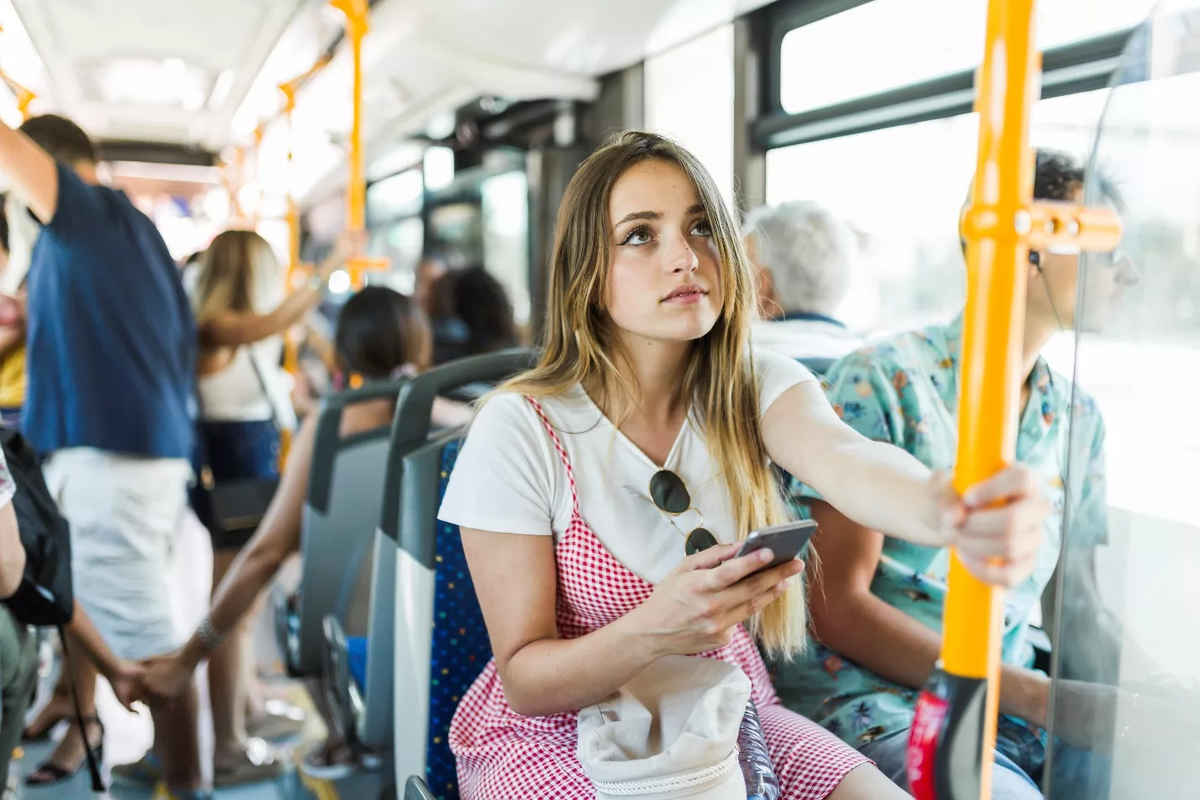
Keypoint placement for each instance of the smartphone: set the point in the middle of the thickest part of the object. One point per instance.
(786, 541)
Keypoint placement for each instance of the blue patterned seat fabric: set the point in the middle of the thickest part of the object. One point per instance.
(460, 644)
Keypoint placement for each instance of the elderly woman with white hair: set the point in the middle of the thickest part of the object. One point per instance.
(805, 256)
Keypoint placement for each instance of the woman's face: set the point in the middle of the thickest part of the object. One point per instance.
(664, 281)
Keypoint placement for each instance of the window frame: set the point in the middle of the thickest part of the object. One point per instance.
(1067, 69)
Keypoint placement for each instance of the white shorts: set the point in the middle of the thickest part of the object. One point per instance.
(124, 512)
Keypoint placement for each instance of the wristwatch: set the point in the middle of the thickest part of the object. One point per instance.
(317, 283)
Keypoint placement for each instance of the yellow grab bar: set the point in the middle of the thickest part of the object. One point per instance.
(954, 733)
(357, 25)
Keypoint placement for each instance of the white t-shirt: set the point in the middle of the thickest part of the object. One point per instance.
(236, 393)
(510, 479)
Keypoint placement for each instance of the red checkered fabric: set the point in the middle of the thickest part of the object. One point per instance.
(503, 755)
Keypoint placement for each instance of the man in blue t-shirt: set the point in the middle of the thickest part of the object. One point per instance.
(111, 364)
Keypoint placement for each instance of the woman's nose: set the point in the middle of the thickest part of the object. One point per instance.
(682, 257)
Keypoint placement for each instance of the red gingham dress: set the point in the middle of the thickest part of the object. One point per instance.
(502, 755)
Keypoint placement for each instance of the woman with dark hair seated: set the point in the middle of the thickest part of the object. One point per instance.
(471, 315)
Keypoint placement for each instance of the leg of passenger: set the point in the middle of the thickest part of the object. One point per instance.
(1009, 782)
(254, 698)
(865, 782)
(176, 740)
(225, 676)
(812, 762)
(55, 711)
(18, 675)
(70, 756)
(889, 754)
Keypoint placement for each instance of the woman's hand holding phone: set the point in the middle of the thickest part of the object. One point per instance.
(699, 605)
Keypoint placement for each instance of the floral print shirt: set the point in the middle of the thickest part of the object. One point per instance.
(904, 390)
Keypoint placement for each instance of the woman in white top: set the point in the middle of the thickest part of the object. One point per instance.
(649, 417)
(241, 313)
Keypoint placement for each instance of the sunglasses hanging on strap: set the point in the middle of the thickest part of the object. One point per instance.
(670, 495)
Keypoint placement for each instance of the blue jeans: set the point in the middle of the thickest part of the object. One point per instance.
(1078, 774)
(11, 417)
(233, 450)
(1009, 781)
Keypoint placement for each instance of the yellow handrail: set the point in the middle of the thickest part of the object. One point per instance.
(357, 26)
(24, 96)
(291, 348)
(954, 734)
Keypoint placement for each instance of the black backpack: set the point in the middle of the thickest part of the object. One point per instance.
(45, 597)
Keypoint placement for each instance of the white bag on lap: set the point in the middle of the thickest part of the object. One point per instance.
(669, 733)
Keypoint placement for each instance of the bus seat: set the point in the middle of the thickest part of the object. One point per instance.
(340, 513)
(356, 652)
(416, 789)
(440, 643)
(365, 704)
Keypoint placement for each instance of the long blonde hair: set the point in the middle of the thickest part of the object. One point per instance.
(231, 270)
(720, 374)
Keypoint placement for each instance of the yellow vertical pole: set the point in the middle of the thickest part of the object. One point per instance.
(23, 96)
(291, 348)
(259, 133)
(954, 733)
(357, 25)
(950, 756)
(291, 352)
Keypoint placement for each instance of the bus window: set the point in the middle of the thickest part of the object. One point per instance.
(1125, 720)
(902, 189)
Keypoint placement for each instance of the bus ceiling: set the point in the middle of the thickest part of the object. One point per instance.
(201, 77)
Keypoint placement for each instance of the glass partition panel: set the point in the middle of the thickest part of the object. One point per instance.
(1125, 716)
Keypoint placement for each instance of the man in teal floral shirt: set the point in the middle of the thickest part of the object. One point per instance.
(877, 602)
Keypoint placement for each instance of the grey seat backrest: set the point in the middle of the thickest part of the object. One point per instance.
(338, 522)
(411, 517)
(373, 724)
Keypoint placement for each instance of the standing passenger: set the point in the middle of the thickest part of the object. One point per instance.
(111, 365)
(241, 313)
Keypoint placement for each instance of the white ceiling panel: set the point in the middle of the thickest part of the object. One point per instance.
(164, 70)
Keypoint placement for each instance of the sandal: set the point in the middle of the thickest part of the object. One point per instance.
(41, 727)
(280, 722)
(331, 761)
(146, 771)
(50, 773)
(258, 763)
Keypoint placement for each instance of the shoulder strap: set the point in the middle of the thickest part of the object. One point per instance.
(562, 451)
(262, 384)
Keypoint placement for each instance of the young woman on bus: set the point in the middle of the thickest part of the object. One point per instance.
(648, 398)
(241, 313)
(878, 602)
(381, 335)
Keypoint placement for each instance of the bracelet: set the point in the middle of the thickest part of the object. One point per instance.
(208, 635)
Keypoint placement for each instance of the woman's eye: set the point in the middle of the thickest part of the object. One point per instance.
(637, 236)
(702, 228)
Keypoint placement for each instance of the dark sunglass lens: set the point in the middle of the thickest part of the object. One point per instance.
(698, 541)
(668, 492)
